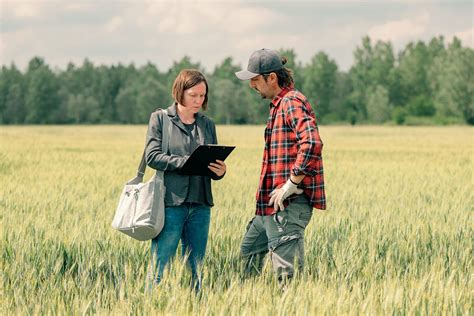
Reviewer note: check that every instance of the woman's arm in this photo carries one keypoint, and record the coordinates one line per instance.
(155, 158)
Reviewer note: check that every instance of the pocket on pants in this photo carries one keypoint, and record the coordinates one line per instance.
(299, 214)
(305, 216)
(281, 220)
(249, 224)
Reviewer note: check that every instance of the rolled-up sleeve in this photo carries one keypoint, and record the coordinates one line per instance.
(155, 158)
(309, 144)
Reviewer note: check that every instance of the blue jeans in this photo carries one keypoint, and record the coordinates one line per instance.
(189, 223)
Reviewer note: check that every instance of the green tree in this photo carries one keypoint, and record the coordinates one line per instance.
(42, 100)
(111, 81)
(378, 106)
(149, 98)
(295, 66)
(413, 72)
(223, 91)
(421, 105)
(320, 82)
(12, 100)
(141, 95)
(341, 109)
(83, 109)
(232, 111)
(79, 84)
(35, 63)
(4, 86)
(426, 79)
(126, 105)
(372, 67)
(226, 70)
(15, 112)
(453, 83)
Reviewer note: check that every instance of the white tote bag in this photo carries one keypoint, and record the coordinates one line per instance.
(140, 213)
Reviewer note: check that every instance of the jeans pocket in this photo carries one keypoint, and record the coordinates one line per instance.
(305, 216)
(280, 219)
(249, 224)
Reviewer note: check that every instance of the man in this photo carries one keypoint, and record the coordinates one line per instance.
(291, 180)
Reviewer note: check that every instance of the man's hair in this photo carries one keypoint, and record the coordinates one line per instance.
(186, 79)
(284, 75)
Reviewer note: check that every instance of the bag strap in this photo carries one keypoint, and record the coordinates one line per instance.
(165, 139)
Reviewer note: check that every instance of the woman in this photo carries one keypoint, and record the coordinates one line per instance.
(188, 199)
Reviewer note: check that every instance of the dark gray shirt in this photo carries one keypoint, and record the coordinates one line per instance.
(196, 193)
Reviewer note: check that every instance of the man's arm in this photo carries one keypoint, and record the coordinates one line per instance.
(296, 179)
(303, 123)
(300, 117)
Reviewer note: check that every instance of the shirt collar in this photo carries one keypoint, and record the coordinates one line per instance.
(276, 100)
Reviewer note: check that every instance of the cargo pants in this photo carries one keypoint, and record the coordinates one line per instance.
(281, 235)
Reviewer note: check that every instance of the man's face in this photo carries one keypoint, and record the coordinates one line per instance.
(261, 85)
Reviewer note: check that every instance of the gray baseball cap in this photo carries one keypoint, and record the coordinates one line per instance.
(262, 61)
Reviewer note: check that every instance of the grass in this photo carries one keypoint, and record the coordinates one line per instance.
(397, 237)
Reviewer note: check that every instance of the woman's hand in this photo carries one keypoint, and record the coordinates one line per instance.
(218, 167)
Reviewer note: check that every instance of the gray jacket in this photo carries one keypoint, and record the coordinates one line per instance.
(177, 184)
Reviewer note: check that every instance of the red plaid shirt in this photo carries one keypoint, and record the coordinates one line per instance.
(292, 144)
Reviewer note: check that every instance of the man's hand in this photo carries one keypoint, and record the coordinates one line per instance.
(279, 195)
(218, 167)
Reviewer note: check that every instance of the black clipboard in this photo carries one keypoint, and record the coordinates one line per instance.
(198, 162)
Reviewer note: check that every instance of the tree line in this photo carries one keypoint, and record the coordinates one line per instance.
(424, 83)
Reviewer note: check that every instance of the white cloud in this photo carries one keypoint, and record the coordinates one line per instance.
(247, 20)
(401, 30)
(22, 10)
(162, 31)
(78, 6)
(113, 24)
(184, 18)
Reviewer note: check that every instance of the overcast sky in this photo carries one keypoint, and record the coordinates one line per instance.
(108, 32)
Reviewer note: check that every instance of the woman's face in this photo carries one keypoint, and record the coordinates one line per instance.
(194, 97)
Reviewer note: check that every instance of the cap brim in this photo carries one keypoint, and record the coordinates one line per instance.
(245, 75)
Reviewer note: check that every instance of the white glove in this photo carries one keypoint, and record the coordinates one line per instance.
(279, 195)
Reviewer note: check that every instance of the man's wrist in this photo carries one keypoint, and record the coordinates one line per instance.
(293, 182)
(296, 180)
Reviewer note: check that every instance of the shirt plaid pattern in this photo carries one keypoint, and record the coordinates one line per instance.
(292, 145)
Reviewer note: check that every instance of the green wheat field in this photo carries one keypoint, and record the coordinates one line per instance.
(397, 237)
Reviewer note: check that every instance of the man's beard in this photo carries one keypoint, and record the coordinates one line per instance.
(261, 94)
